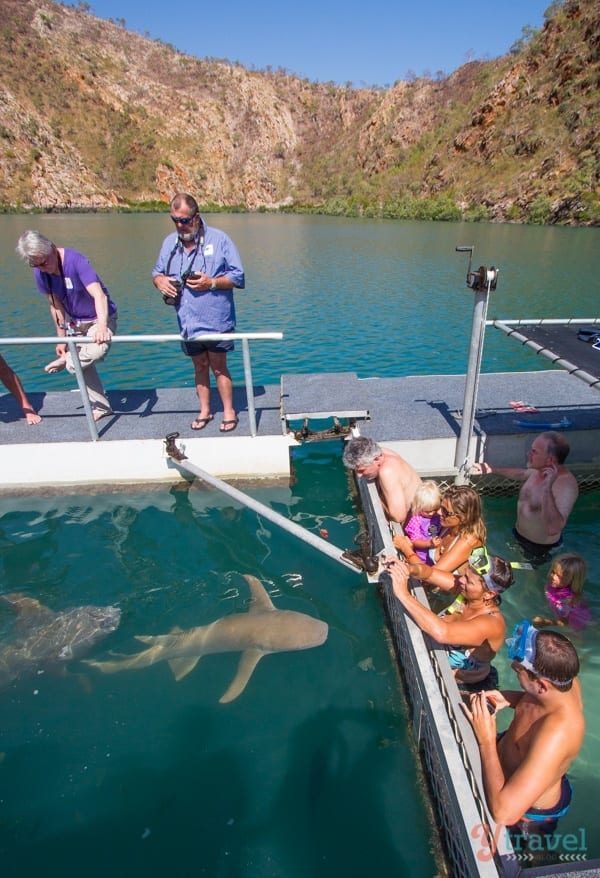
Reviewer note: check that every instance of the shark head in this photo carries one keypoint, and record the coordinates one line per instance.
(82, 627)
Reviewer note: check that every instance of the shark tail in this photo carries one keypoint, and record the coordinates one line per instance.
(127, 662)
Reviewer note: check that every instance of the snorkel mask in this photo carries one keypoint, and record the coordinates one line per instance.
(521, 646)
(480, 560)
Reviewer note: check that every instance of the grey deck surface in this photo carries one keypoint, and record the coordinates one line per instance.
(400, 408)
(138, 414)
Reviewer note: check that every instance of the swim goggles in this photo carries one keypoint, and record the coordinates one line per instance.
(480, 560)
(521, 646)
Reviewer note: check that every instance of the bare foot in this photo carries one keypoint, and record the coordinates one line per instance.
(56, 365)
(32, 418)
(101, 413)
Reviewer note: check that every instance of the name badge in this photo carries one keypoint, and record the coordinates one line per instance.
(68, 283)
(209, 250)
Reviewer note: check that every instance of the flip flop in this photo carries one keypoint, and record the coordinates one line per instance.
(200, 423)
(523, 407)
(228, 426)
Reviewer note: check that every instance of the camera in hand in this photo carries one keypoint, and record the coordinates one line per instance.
(174, 300)
(490, 703)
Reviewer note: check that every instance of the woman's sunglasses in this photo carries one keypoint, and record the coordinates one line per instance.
(445, 512)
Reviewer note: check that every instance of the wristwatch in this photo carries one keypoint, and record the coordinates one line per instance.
(213, 284)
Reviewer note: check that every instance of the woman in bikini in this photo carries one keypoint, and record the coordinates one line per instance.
(473, 627)
(462, 541)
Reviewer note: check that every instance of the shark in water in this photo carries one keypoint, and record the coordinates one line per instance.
(41, 637)
(260, 631)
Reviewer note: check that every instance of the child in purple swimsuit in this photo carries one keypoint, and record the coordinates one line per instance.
(564, 589)
(424, 525)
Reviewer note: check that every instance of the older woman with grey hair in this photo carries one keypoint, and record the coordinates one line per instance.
(79, 304)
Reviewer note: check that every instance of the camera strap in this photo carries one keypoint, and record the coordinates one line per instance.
(179, 244)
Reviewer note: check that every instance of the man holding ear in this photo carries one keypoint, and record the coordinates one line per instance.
(547, 496)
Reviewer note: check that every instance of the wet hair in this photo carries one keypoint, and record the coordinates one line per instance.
(500, 573)
(188, 200)
(573, 571)
(557, 446)
(466, 502)
(33, 245)
(360, 451)
(427, 498)
(556, 659)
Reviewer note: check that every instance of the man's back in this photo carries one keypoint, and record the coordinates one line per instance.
(545, 738)
(397, 482)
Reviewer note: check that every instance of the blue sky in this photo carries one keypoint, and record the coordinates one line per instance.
(371, 43)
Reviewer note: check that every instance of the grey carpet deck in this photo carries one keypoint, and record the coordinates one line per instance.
(410, 408)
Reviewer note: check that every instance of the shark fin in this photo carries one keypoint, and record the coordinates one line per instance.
(182, 666)
(260, 599)
(248, 661)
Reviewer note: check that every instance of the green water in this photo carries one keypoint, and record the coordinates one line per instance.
(526, 599)
(310, 771)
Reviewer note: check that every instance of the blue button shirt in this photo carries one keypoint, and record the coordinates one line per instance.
(215, 255)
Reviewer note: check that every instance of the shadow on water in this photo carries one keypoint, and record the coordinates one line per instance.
(188, 803)
(329, 816)
(196, 815)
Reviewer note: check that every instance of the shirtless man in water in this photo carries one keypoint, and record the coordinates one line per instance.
(547, 496)
(524, 772)
(396, 480)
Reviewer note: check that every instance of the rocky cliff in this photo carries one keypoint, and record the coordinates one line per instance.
(94, 116)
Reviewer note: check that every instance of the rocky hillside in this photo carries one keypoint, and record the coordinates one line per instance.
(93, 116)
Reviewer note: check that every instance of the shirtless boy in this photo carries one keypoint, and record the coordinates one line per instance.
(547, 496)
(396, 480)
(524, 773)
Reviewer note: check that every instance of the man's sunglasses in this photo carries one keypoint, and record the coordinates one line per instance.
(183, 220)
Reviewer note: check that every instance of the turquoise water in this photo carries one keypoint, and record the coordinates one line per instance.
(310, 771)
(372, 297)
(526, 599)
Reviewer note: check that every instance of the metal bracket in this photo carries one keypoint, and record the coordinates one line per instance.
(171, 449)
(305, 434)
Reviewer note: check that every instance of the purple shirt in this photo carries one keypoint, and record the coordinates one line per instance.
(70, 288)
(422, 527)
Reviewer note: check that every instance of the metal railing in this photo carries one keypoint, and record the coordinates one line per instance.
(71, 341)
(508, 327)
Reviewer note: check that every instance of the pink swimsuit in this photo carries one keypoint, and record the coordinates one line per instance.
(577, 615)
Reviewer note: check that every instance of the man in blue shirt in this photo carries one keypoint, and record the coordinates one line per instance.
(198, 268)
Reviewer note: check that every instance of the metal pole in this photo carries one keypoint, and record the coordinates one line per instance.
(284, 523)
(249, 386)
(471, 383)
(85, 398)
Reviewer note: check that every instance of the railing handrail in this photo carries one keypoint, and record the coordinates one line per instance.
(72, 341)
(205, 336)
